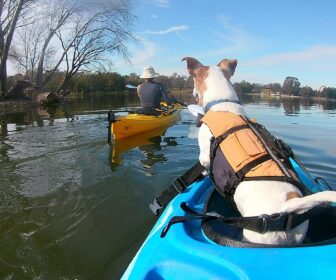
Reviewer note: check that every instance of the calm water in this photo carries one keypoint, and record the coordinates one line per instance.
(68, 210)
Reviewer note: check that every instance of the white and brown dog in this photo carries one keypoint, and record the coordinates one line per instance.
(252, 198)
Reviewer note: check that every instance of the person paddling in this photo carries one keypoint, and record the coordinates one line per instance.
(151, 93)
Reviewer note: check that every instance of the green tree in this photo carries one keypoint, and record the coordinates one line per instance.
(291, 86)
(275, 87)
(330, 92)
(307, 92)
(133, 79)
(243, 87)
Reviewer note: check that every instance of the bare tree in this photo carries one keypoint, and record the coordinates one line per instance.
(32, 46)
(82, 35)
(61, 12)
(25, 52)
(11, 11)
(9, 14)
(94, 36)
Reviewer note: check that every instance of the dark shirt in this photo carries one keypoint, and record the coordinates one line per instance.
(151, 94)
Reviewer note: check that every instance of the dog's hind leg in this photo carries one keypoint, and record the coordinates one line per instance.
(303, 204)
(204, 136)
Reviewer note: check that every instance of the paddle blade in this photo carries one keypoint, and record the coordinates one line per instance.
(195, 110)
(130, 86)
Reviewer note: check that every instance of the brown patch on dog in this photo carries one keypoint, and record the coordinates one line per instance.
(199, 81)
(192, 64)
(200, 73)
(292, 195)
(228, 66)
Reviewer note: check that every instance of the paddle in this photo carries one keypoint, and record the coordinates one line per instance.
(130, 86)
(195, 110)
(126, 110)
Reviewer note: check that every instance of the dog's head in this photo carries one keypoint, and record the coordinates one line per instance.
(200, 73)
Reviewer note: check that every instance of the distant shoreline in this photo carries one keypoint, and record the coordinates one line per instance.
(21, 105)
(285, 96)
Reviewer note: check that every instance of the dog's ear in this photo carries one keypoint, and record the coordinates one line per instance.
(229, 66)
(192, 65)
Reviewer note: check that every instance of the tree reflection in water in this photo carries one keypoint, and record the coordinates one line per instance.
(151, 151)
(149, 143)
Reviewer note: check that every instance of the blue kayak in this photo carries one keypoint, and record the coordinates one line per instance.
(188, 251)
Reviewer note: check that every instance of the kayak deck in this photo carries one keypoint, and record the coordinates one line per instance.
(187, 252)
(133, 124)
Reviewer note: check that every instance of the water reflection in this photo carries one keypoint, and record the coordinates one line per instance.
(150, 144)
(44, 116)
(291, 106)
(60, 202)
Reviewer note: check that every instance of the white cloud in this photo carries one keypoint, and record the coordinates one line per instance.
(154, 16)
(235, 35)
(142, 53)
(233, 38)
(159, 3)
(163, 3)
(169, 30)
(319, 56)
(180, 70)
(314, 66)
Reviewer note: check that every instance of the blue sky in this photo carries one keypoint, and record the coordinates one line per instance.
(270, 39)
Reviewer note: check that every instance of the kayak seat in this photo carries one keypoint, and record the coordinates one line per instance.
(321, 230)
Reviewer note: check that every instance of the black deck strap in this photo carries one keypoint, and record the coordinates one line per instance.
(178, 185)
(263, 223)
(324, 182)
(296, 219)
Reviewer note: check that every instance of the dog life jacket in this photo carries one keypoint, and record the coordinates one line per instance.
(241, 154)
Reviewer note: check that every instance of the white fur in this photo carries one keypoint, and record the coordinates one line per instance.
(256, 197)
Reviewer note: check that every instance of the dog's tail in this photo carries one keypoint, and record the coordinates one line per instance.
(303, 204)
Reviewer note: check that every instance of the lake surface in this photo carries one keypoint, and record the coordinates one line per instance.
(70, 210)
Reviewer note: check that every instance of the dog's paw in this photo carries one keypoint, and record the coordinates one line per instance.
(204, 161)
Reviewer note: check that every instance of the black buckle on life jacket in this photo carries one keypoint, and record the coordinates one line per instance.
(282, 148)
(273, 222)
(179, 184)
(232, 184)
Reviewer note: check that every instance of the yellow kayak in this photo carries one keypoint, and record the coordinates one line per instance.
(133, 124)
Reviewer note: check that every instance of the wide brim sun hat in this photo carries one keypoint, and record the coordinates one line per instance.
(148, 72)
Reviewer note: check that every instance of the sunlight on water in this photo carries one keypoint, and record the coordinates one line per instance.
(71, 208)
